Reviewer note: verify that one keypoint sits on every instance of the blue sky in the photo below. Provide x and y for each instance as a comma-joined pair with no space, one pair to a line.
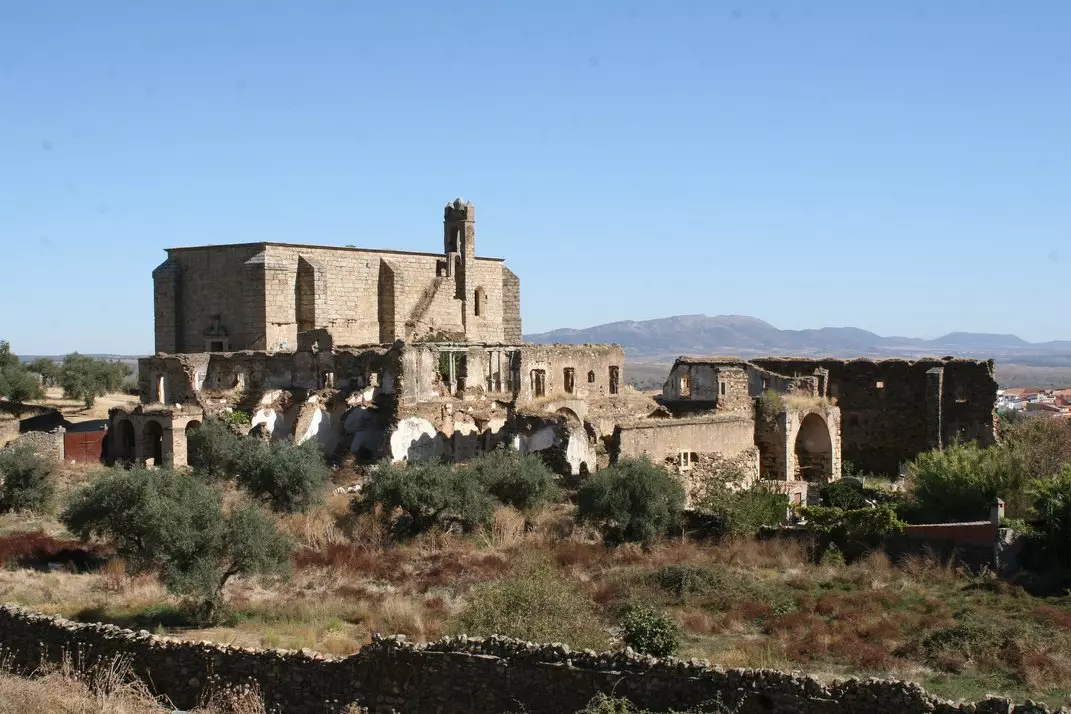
902,166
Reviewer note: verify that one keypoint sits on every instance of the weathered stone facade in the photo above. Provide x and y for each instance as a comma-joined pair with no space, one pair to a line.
454,675
894,409
269,296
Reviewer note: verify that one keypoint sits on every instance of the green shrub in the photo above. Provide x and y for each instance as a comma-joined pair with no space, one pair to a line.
289,477
743,512
172,524
833,557
633,500
683,579
426,493
533,602
770,405
649,631
523,482
214,450
845,494
1052,506
238,418
855,531
26,480
1039,446
961,482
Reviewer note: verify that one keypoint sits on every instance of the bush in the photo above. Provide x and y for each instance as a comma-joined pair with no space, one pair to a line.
523,482
289,477
172,524
961,482
743,513
1052,506
854,531
1039,446
651,632
770,405
633,500
214,450
683,579
25,480
535,603
427,493
844,494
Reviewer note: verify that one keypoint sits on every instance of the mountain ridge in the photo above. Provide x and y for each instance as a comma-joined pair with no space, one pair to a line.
745,335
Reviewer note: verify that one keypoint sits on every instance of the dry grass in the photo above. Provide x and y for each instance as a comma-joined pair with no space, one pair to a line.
749,603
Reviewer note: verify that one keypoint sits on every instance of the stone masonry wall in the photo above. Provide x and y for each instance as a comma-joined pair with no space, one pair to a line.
459,675
591,365
892,410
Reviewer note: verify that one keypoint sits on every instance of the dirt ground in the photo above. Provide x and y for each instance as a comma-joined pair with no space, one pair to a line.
76,411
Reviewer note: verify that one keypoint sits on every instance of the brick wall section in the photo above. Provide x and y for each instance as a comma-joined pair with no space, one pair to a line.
455,675
511,306
884,426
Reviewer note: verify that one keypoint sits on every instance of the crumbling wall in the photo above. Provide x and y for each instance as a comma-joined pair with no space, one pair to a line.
597,371
47,445
454,675
892,410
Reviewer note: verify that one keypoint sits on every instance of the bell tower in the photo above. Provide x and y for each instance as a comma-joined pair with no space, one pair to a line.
459,244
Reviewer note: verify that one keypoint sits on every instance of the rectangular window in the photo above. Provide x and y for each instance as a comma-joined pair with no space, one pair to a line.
685,460
539,383
880,385
615,375
684,387
569,377
721,388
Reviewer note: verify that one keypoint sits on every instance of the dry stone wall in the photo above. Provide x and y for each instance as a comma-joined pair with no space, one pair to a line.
461,675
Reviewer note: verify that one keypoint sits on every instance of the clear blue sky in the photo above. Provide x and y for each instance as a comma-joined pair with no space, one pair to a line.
904,167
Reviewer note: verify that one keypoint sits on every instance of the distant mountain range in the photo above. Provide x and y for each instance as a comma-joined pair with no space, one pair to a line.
667,337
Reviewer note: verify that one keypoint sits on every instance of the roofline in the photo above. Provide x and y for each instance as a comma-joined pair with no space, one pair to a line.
325,247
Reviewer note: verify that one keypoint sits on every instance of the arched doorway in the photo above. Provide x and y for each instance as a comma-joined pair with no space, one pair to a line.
153,437
127,442
814,450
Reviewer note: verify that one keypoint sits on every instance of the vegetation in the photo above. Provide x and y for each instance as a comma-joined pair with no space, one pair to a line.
533,603
855,531
427,494
48,369
738,512
649,631
173,525
85,378
1052,505
633,500
17,383
523,482
26,480
288,477
769,405
961,482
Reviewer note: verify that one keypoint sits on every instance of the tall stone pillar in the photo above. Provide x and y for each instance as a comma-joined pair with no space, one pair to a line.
935,379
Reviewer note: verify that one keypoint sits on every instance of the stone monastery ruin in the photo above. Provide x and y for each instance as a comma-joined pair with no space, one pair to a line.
407,356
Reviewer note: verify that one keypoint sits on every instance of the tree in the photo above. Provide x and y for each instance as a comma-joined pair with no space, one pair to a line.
289,477
214,450
48,369
174,525
523,482
961,482
17,383
427,493
633,500
25,480
736,511
86,378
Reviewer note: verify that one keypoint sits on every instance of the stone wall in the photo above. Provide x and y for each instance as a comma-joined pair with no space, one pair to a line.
593,371
892,410
459,675
46,444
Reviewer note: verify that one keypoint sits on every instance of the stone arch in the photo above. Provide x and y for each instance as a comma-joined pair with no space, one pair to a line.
814,449
126,441
571,418
153,441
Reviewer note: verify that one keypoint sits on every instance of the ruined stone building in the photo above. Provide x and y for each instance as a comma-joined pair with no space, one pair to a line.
381,354
269,296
